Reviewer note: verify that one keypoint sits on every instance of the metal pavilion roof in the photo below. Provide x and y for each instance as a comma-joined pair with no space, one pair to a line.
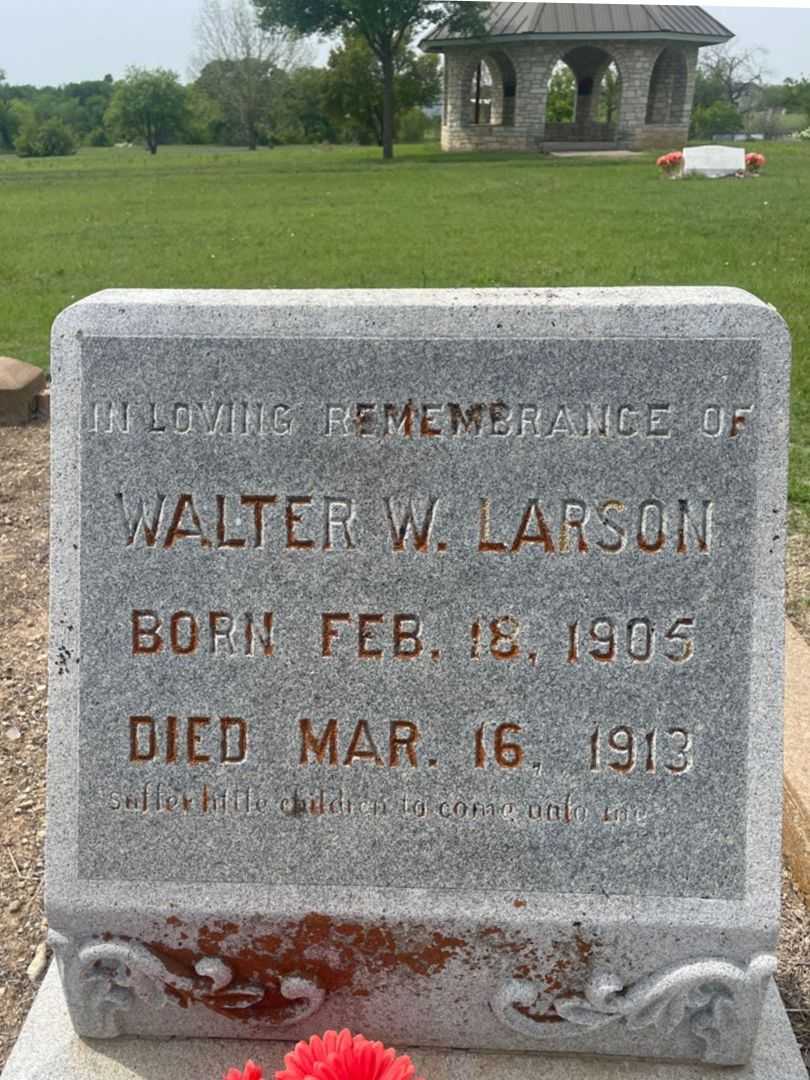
523,21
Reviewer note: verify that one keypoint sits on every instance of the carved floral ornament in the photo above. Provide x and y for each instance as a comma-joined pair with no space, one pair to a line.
720,1000
101,978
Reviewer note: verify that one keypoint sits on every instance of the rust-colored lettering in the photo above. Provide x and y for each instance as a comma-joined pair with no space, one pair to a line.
146,639
328,631
136,725
533,518
469,421
259,503
651,508
320,747
402,424
403,523
403,736
192,634
356,752
702,532
171,740
266,634
485,541
739,419
193,740
404,636
292,519
176,530
222,540
226,725
364,633
574,516
603,510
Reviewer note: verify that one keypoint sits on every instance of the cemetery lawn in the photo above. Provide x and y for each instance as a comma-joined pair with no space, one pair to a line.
306,217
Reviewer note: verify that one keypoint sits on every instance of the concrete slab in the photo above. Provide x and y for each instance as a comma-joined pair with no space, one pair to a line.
796,827
19,385
48,1049
595,153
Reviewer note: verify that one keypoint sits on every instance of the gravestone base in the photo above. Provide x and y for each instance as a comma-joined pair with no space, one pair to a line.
49,1049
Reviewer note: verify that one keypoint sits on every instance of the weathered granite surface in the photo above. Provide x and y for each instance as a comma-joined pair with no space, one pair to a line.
49,1049
507,777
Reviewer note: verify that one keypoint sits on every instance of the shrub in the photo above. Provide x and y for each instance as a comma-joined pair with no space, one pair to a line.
46,138
716,119
805,135
98,137
413,126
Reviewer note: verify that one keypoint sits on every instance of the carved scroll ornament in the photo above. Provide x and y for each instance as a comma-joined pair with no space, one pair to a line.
720,1000
100,979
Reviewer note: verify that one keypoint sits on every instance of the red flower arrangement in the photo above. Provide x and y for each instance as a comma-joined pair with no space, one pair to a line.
251,1072
754,162
337,1056
670,163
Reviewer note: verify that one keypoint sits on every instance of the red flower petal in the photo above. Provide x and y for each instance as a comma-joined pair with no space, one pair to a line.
252,1071
345,1057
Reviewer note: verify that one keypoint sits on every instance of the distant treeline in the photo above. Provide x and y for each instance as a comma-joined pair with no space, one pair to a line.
232,102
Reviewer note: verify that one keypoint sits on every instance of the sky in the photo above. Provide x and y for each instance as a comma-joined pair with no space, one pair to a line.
48,42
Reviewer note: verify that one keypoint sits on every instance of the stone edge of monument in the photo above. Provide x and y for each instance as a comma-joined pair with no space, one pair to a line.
747,926
49,1049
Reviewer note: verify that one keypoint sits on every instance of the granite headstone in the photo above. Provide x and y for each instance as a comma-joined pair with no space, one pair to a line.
713,161
417,666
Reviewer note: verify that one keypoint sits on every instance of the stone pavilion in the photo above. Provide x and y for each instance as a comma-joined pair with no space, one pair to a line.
633,68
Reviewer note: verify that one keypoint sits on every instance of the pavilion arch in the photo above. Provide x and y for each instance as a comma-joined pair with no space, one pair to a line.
666,100
596,113
492,82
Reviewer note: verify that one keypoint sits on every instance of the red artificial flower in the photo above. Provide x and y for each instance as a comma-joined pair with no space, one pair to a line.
343,1056
252,1071
670,161
754,161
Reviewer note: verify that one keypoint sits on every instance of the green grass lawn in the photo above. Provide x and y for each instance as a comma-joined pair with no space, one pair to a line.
306,217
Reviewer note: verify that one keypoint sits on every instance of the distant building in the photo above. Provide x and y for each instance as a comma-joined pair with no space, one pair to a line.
633,66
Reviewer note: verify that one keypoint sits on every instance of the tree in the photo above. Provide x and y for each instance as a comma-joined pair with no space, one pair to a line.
148,105
236,58
8,118
298,113
354,91
562,89
610,95
797,95
729,75
384,24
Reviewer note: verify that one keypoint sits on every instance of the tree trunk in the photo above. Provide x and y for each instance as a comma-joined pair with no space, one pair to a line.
252,139
388,101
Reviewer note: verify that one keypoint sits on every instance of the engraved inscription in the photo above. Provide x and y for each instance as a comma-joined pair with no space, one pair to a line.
477,598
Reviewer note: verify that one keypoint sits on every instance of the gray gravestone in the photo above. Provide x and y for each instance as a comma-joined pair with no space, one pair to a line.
417,666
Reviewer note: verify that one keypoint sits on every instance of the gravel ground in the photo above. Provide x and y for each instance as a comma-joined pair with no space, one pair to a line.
23,718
